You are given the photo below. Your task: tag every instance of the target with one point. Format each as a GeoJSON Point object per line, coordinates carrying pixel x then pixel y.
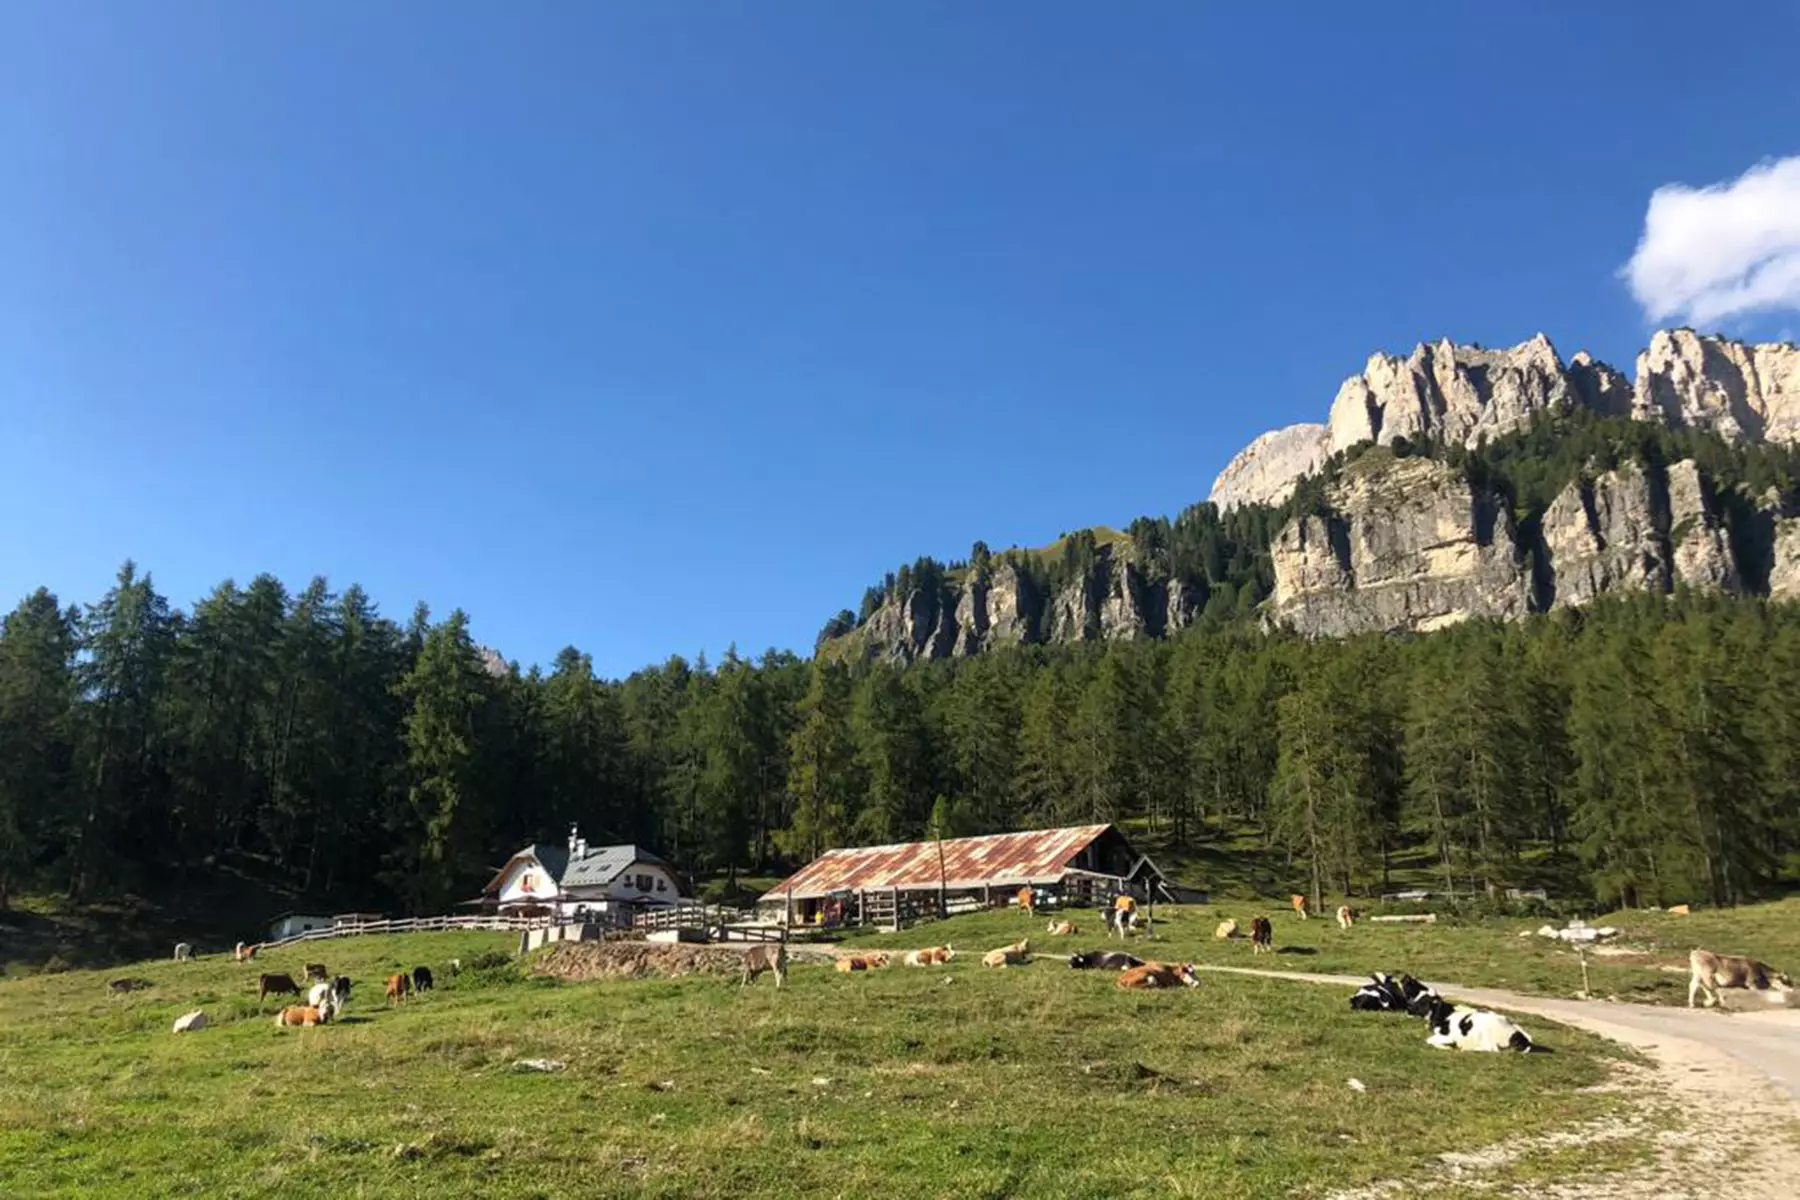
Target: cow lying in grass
{"type": "Point", "coordinates": [862, 962]}
{"type": "Point", "coordinates": [1227, 930]}
{"type": "Point", "coordinates": [305, 1014]}
{"type": "Point", "coordinates": [766, 958]}
{"type": "Point", "coordinates": [1062, 929]}
{"type": "Point", "coordinates": [1159, 975]}
{"type": "Point", "coordinates": [1456, 1027]}
{"type": "Point", "coordinates": [1104, 960]}
{"type": "Point", "coordinates": [1006, 956]}
{"type": "Point", "coordinates": [1384, 993]}
{"type": "Point", "coordinates": [1711, 973]}
{"type": "Point", "coordinates": [929, 956]}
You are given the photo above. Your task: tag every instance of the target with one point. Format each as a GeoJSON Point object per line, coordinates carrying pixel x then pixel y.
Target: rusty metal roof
{"type": "Point", "coordinates": [999, 859]}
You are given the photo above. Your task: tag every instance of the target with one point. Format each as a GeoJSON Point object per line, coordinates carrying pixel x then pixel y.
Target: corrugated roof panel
{"type": "Point", "coordinates": [1000, 859]}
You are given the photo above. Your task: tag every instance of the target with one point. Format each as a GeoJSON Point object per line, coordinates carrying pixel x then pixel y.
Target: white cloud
{"type": "Point", "coordinates": [1716, 252]}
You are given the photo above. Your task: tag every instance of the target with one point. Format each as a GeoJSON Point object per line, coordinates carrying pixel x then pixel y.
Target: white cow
{"type": "Point", "coordinates": [1463, 1028]}
{"type": "Point", "coordinates": [184, 952]}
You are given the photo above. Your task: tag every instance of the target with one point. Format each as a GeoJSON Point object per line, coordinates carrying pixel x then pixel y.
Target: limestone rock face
{"type": "Point", "coordinates": [1784, 570]}
{"type": "Point", "coordinates": [1603, 537]}
{"type": "Point", "coordinates": [1698, 544]}
{"type": "Point", "coordinates": [1449, 393]}
{"type": "Point", "coordinates": [1411, 547]}
{"type": "Point", "coordinates": [1740, 391]}
{"type": "Point", "coordinates": [1599, 387]}
{"type": "Point", "coordinates": [1265, 471]}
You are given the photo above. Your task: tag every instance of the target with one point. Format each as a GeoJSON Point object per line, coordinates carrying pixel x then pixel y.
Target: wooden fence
{"type": "Point", "coordinates": [502, 924]}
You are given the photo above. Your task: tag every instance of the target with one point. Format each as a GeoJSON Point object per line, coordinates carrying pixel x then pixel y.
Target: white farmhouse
{"type": "Point", "coordinates": [558, 881]}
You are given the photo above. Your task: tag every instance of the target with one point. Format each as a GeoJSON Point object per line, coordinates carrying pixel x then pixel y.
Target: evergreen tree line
{"type": "Point", "coordinates": [1644, 745]}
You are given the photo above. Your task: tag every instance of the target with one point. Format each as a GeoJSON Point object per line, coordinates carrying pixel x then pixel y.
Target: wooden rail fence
{"type": "Point", "coordinates": [502, 924]}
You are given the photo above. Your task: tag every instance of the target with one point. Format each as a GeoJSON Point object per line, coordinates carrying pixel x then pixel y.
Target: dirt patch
{"type": "Point", "coordinates": [649, 960]}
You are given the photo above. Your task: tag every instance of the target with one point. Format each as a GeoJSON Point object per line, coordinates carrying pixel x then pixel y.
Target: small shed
{"type": "Point", "coordinates": [291, 924]}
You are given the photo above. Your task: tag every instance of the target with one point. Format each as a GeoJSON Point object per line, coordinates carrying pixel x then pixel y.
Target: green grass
{"type": "Point", "coordinates": [1032, 1081]}
{"type": "Point", "coordinates": [1494, 952]}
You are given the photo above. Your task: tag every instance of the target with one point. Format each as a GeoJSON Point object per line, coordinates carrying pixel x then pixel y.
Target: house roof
{"type": "Point", "coordinates": [1000, 859]}
{"type": "Point", "coordinates": [597, 868]}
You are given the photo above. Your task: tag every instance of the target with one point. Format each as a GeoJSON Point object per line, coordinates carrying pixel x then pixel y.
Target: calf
{"type": "Point", "coordinates": [1159, 975]}
{"type": "Point", "coordinates": [316, 971]}
{"type": "Point", "coordinates": [766, 958]}
{"type": "Point", "coordinates": [1299, 903]}
{"type": "Point", "coordinates": [399, 988]}
{"type": "Point", "coordinates": [1104, 960]}
{"type": "Point", "coordinates": [304, 1014]}
{"type": "Point", "coordinates": [1456, 1027]}
{"type": "Point", "coordinates": [422, 980]}
{"type": "Point", "coordinates": [1063, 929]}
{"type": "Point", "coordinates": [1262, 935]}
{"type": "Point", "coordinates": [1711, 973]}
{"type": "Point", "coordinates": [1006, 956]}
{"type": "Point", "coordinates": [1346, 916]}
{"type": "Point", "coordinates": [280, 984]}
{"type": "Point", "coordinates": [184, 952]}
{"type": "Point", "coordinates": [1227, 930]}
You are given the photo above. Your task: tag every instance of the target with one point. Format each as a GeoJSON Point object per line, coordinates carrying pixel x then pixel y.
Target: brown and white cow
{"type": "Point", "coordinates": [303, 1014]}
{"type": "Point", "coordinates": [1299, 903]}
{"type": "Point", "coordinates": [872, 961]}
{"type": "Point", "coordinates": [1712, 973]}
{"type": "Point", "coordinates": [929, 956]}
{"type": "Point", "coordinates": [766, 958]}
{"type": "Point", "coordinates": [1159, 975]}
{"type": "Point", "coordinates": [1006, 956]}
{"type": "Point", "coordinates": [399, 988]}
{"type": "Point", "coordinates": [1027, 902]}
{"type": "Point", "coordinates": [1062, 928]}
{"type": "Point", "coordinates": [316, 971]}
{"type": "Point", "coordinates": [1346, 916]}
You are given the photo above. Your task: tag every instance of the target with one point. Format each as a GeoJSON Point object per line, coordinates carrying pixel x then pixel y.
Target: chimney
{"type": "Point", "coordinates": [574, 841]}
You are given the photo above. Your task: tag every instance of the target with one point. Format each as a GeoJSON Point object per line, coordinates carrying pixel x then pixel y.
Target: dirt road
{"type": "Point", "coordinates": [1734, 1078]}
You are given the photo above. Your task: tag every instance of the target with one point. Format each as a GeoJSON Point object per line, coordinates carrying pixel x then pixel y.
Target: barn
{"type": "Point", "coordinates": [578, 879]}
{"type": "Point", "coordinates": [1080, 863]}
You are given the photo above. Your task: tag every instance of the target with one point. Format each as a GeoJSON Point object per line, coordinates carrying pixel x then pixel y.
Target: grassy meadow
{"type": "Point", "coordinates": [1035, 1081]}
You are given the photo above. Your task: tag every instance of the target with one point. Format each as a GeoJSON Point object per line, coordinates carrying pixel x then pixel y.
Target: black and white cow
{"type": "Point", "coordinates": [1104, 960]}
{"type": "Point", "coordinates": [1456, 1027]}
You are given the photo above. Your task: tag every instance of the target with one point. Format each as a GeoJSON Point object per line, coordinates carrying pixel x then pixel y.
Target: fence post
{"type": "Point", "coordinates": [894, 895]}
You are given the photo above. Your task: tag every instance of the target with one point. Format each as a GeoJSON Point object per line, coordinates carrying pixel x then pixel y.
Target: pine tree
{"type": "Point", "coordinates": [37, 732]}
{"type": "Point", "coordinates": [822, 775]}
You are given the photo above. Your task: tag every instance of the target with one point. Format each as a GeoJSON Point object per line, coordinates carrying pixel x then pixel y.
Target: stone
{"type": "Point", "coordinates": [1265, 471]}
{"type": "Point", "coordinates": [1742, 392]}
{"type": "Point", "coordinates": [1601, 536]}
{"type": "Point", "coordinates": [190, 1022]}
{"type": "Point", "coordinates": [1698, 545]}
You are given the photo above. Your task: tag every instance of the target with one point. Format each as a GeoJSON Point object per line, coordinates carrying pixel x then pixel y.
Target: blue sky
{"type": "Point", "coordinates": [654, 327]}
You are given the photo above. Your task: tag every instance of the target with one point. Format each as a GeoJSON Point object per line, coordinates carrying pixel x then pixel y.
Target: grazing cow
{"type": "Point", "coordinates": [399, 988]}
{"type": "Point", "coordinates": [1159, 975]}
{"type": "Point", "coordinates": [316, 971]}
{"type": "Point", "coordinates": [1711, 973]}
{"type": "Point", "coordinates": [191, 1022]}
{"type": "Point", "coordinates": [1456, 1027]}
{"type": "Point", "coordinates": [1104, 960]}
{"type": "Point", "coordinates": [422, 980]}
{"type": "Point", "coordinates": [1227, 930]}
{"type": "Point", "coordinates": [1063, 929]}
{"type": "Point", "coordinates": [1262, 935]}
{"type": "Point", "coordinates": [1006, 956]}
{"type": "Point", "coordinates": [1384, 993]}
{"type": "Point", "coordinates": [244, 952]}
{"type": "Point", "coordinates": [120, 987]}
{"type": "Point", "coordinates": [766, 958]}
{"type": "Point", "coordinates": [929, 956]}
{"type": "Point", "coordinates": [1026, 902]}
{"type": "Point", "coordinates": [283, 984]}
{"type": "Point", "coordinates": [184, 952]}
{"type": "Point", "coordinates": [1299, 903]}
{"type": "Point", "coordinates": [1346, 916]}
{"type": "Point", "coordinates": [304, 1014]}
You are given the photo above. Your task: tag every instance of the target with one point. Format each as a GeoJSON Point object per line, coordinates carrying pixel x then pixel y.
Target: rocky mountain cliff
{"type": "Point", "coordinates": [1458, 395]}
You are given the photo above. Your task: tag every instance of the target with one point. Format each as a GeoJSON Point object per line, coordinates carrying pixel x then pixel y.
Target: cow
{"type": "Point", "coordinates": [1026, 902]}
{"type": "Point", "coordinates": [930, 956]}
{"type": "Point", "coordinates": [340, 990]}
{"type": "Point", "coordinates": [184, 952]}
{"type": "Point", "coordinates": [1006, 956]}
{"type": "Point", "coordinates": [1299, 903]}
{"type": "Point", "coordinates": [191, 1022]}
{"type": "Point", "coordinates": [1262, 935]}
{"type": "Point", "coordinates": [862, 962]}
{"type": "Point", "coordinates": [766, 958]}
{"type": "Point", "coordinates": [316, 971]}
{"type": "Point", "coordinates": [1384, 993]}
{"type": "Point", "coordinates": [1159, 975]}
{"type": "Point", "coordinates": [1346, 916]}
{"type": "Point", "coordinates": [120, 987]}
{"type": "Point", "coordinates": [1104, 960]}
{"type": "Point", "coordinates": [321, 993]}
{"type": "Point", "coordinates": [455, 967]}
{"type": "Point", "coordinates": [1063, 929]}
{"type": "Point", "coordinates": [399, 988]}
{"type": "Point", "coordinates": [1711, 973]}
{"type": "Point", "coordinates": [422, 980]}
{"type": "Point", "coordinates": [244, 952]}
{"type": "Point", "coordinates": [1123, 917]}
{"type": "Point", "coordinates": [304, 1014]}
{"type": "Point", "coordinates": [1460, 1028]}
{"type": "Point", "coordinates": [1227, 930]}
{"type": "Point", "coordinates": [281, 984]}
